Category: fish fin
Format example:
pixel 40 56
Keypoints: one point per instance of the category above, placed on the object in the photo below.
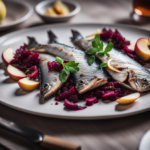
pixel 124 85
pixel 52 37
pixel 88 87
pixel 76 35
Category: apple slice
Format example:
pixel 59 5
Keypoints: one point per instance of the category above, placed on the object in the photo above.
pixel 15 73
pixel 131 46
pixel 27 84
pixel 7 55
pixel 142 49
pixel 128 99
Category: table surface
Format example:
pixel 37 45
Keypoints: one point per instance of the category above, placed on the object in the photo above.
pixel 112 134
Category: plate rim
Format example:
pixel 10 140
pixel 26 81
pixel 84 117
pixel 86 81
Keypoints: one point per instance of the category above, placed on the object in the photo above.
pixel 73 117
pixel 57 24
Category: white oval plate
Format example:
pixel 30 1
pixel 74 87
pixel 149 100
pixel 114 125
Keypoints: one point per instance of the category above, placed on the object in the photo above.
pixel 17 12
pixel 11 95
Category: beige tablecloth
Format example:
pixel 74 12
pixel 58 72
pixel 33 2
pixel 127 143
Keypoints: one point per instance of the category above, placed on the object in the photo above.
pixel 113 134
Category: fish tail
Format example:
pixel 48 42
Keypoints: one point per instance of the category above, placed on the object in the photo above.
pixel 52 37
pixel 32 42
pixel 76 35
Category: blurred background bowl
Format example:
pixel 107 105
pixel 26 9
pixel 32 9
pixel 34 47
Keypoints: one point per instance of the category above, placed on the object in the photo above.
pixel 41 8
pixel 17 12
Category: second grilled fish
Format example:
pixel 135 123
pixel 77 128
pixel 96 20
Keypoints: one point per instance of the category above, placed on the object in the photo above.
pixel 137 76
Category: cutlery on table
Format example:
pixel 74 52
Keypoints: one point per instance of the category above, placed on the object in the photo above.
pixel 37 136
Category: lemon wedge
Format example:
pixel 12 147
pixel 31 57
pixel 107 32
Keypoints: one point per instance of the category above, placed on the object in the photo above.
pixel 128 99
pixel 2 11
pixel 109 66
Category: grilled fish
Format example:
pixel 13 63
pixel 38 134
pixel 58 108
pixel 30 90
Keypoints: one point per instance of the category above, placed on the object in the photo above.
pixel 88 77
pixel 137 76
pixel 49 80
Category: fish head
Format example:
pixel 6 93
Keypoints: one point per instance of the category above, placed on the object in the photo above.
pixel 139 82
pixel 45 92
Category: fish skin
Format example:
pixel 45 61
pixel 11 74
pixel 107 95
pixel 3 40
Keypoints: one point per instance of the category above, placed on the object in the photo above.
pixel 48 77
pixel 91 76
pixel 134 72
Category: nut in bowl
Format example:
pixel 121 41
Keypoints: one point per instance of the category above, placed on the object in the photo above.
pixel 44 8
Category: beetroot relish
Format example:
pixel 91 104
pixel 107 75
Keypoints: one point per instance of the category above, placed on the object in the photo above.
pixel 72 106
pixel 120 43
pixel 25 60
pixel 55 66
pixel 115 37
pixel 132 55
pixel 110 91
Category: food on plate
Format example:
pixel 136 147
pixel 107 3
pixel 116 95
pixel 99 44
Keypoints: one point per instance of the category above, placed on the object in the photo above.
pixel 131 53
pixel 15 73
pixel 72 106
pixel 72 74
pixel 98 31
pixel 2 11
pixel 26 61
pixel 59 8
pixel 27 84
pixel 138 76
pixel 91 101
pixel 50 82
pixel 7 55
pixel 142 48
pixel 120 43
pixel 128 99
pixel 88 77
pixel 111 66
pixel 115 37
pixel 131 46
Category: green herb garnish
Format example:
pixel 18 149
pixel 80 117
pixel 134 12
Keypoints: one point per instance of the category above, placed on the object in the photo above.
pixel 27 70
pixel 102 65
pixel 98 47
pixel 70 67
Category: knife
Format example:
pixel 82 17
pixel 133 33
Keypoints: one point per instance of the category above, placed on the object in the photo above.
pixel 37 136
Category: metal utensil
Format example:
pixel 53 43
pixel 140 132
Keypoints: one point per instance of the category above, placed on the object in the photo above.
pixel 37 136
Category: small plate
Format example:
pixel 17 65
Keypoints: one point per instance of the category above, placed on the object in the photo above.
pixel 17 12
pixel 41 7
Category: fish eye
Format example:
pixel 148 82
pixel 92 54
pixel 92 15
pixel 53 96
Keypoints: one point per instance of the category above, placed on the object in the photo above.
pixel 45 86
pixel 81 82
pixel 145 81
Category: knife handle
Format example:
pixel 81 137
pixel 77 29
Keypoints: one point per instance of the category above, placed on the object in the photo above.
pixel 58 144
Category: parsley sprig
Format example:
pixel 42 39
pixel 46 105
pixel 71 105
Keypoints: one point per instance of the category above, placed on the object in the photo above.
pixel 98 47
pixel 70 67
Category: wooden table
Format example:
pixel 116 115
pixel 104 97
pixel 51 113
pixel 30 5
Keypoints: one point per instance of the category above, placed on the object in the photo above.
pixel 112 134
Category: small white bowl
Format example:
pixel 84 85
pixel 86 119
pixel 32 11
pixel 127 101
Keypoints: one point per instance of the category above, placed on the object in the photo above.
pixel 41 7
